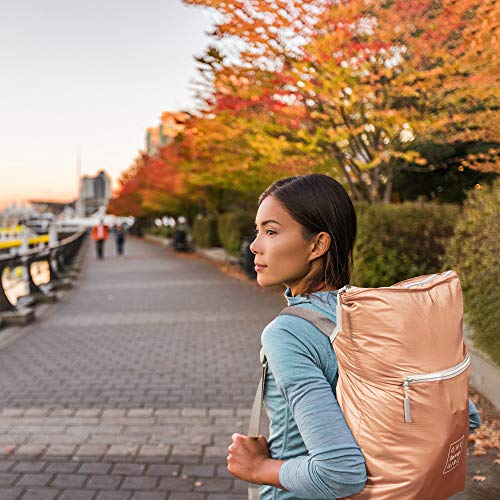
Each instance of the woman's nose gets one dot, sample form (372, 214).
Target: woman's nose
(253, 247)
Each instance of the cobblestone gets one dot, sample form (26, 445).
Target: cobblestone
(34, 480)
(114, 495)
(140, 483)
(104, 482)
(28, 466)
(69, 480)
(149, 495)
(62, 467)
(40, 494)
(7, 479)
(10, 493)
(186, 496)
(121, 391)
(75, 494)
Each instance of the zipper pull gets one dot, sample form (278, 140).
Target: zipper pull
(343, 289)
(406, 385)
(338, 314)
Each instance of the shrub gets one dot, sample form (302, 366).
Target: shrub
(473, 253)
(205, 232)
(396, 242)
(157, 231)
(235, 227)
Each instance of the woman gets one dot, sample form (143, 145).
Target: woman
(306, 228)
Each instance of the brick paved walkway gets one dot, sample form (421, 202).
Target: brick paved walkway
(131, 386)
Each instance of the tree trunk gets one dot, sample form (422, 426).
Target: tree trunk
(388, 192)
(388, 187)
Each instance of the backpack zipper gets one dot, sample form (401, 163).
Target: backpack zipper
(431, 377)
(430, 278)
(346, 288)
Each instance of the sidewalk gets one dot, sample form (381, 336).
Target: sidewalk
(131, 386)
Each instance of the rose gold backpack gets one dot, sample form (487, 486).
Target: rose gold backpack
(403, 383)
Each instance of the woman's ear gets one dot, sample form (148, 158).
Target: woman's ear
(321, 245)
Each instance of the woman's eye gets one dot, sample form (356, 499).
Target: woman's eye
(269, 232)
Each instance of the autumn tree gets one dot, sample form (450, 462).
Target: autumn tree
(357, 89)
(377, 80)
(244, 140)
(128, 199)
(152, 185)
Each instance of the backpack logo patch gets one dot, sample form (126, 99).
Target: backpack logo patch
(454, 455)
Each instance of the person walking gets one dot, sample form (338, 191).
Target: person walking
(119, 239)
(100, 235)
(305, 234)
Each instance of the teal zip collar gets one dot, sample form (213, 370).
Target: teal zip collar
(324, 300)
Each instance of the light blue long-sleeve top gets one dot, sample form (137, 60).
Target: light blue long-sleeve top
(307, 427)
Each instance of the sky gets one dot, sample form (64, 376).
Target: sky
(89, 75)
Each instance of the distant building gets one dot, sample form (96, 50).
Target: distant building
(95, 192)
(152, 140)
(171, 125)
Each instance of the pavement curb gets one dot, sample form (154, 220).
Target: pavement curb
(485, 376)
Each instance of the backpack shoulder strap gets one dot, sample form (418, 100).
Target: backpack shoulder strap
(324, 324)
(258, 404)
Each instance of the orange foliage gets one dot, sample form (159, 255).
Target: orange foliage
(360, 89)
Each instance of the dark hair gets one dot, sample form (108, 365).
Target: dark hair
(320, 203)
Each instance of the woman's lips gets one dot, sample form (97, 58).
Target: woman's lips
(259, 267)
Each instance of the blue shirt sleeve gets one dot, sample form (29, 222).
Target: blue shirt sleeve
(474, 418)
(334, 466)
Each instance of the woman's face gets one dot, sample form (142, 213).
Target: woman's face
(282, 254)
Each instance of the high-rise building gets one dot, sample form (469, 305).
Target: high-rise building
(171, 125)
(95, 192)
(152, 140)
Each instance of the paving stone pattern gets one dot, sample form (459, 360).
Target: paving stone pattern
(131, 386)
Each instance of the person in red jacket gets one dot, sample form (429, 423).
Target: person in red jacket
(100, 235)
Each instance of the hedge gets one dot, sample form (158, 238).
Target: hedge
(205, 232)
(473, 253)
(233, 228)
(162, 231)
(396, 242)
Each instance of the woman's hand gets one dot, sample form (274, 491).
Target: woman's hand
(246, 457)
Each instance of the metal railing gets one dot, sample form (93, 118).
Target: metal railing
(57, 256)
(23, 237)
